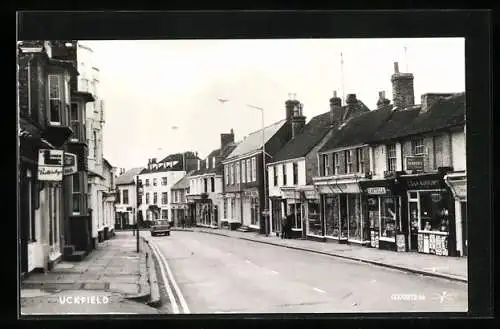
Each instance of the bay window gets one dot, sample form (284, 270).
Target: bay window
(77, 190)
(55, 99)
(254, 170)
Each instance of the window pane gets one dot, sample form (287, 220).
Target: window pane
(54, 87)
(76, 203)
(389, 219)
(373, 212)
(314, 218)
(354, 205)
(55, 110)
(434, 211)
(74, 112)
(332, 216)
(76, 183)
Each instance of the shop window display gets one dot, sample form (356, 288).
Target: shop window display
(314, 218)
(332, 216)
(354, 206)
(434, 213)
(343, 216)
(389, 219)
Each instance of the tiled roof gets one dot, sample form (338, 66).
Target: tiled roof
(312, 134)
(253, 142)
(178, 157)
(183, 183)
(444, 113)
(358, 129)
(128, 177)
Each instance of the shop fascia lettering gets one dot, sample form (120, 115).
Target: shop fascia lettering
(376, 190)
(424, 183)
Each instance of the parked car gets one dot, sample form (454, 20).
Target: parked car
(160, 227)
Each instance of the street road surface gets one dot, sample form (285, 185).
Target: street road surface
(216, 274)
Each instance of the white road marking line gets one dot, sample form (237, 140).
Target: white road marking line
(176, 287)
(175, 307)
(319, 290)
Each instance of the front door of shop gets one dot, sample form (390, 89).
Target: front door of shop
(413, 223)
(463, 206)
(276, 209)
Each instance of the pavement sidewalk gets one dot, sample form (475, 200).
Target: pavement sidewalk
(452, 268)
(112, 279)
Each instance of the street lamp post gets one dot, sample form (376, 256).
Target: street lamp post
(139, 190)
(264, 211)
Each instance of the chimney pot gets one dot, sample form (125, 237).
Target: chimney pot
(334, 93)
(396, 67)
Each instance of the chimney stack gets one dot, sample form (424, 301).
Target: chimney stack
(402, 88)
(290, 105)
(226, 139)
(429, 99)
(298, 120)
(382, 101)
(335, 107)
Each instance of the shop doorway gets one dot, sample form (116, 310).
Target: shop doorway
(463, 206)
(413, 225)
(276, 210)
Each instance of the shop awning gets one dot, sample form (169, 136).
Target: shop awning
(457, 182)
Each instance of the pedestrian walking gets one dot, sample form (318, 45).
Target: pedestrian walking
(283, 228)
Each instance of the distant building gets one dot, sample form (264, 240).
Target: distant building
(178, 202)
(126, 198)
(206, 186)
(157, 180)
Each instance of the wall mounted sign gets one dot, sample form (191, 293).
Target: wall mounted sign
(415, 163)
(50, 165)
(251, 194)
(376, 190)
(70, 164)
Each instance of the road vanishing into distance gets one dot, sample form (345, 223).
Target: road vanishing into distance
(205, 273)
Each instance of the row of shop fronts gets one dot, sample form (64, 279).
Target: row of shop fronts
(243, 207)
(420, 213)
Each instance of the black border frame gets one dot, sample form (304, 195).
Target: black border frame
(474, 25)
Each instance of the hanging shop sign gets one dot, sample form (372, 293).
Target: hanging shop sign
(50, 165)
(425, 182)
(70, 164)
(415, 163)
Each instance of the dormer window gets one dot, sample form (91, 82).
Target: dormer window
(55, 99)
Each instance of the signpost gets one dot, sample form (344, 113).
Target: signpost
(50, 165)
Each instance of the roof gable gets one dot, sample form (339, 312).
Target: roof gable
(311, 135)
(128, 177)
(253, 142)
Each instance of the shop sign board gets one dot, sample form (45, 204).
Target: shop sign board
(70, 164)
(376, 190)
(415, 184)
(312, 194)
(415, 163)
(290, 194)
(50, 165)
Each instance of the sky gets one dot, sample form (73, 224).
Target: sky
(151, 86)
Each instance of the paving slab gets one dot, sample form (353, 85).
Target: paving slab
(126, 288)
